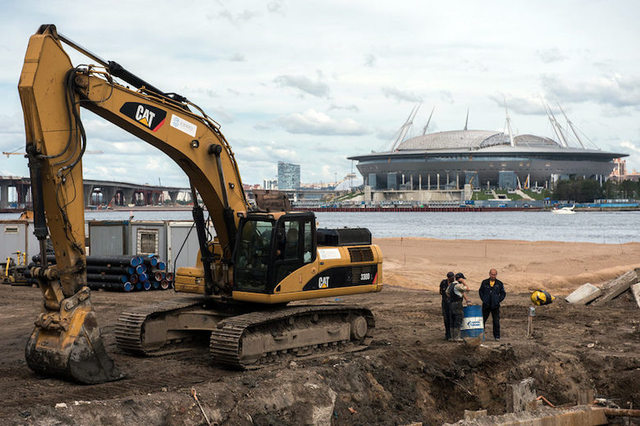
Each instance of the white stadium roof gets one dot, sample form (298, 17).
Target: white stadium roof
(472, 140)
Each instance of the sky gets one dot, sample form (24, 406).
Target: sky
(314, 82)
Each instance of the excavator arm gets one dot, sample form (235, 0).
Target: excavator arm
(66, 340)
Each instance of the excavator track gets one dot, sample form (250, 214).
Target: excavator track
(252, 340)
(130, 328)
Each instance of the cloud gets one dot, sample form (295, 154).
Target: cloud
(551, 55)
(313, 122)
(238, 18)
(304, 84)
(370, 60)
(353, 108)
(630, 145)
(11, 124)
(237, 57)
(446, 96)
(400, 95)
(614, 90)
(520, 105)
(264, 152)
(275, 7)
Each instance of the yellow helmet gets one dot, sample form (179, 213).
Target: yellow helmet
(541, 297)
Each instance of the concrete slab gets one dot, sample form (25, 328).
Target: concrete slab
(581, 415)
(616, 287)
(635, 290)
(520, 395)
(584, 294)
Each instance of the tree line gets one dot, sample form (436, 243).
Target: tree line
(583, 190)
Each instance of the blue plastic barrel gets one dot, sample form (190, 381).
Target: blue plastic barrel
(472, 324)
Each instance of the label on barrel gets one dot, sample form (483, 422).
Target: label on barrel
(471, 323)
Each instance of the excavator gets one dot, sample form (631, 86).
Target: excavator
(240, 289)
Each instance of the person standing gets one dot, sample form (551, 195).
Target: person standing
(446, 312)
(492, 294)
(457, 293)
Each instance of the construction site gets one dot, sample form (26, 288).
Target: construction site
(279, 320)
(578, 363)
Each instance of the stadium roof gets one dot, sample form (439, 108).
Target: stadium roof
(472, 140)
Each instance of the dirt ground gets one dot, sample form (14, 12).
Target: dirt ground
(409, 374)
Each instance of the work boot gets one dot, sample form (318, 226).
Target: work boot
(456, 335)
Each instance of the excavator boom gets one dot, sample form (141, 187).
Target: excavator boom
(66, 340)
(260, 260)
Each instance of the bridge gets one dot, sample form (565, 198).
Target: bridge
(96, 192)
(102, 192)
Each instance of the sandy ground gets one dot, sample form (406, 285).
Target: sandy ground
(409, 373)
(420, 263)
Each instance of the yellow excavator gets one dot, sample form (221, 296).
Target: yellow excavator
(244, 277)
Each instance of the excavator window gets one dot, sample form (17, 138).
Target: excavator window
(253, 255)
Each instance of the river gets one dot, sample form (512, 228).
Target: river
(595, 227)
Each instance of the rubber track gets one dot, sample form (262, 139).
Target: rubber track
(226, 339)
(128, 329)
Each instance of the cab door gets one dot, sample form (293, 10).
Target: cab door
(295, 245)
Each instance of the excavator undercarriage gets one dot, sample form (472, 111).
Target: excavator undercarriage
(244, 336)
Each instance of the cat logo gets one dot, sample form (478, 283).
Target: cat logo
(147, 115)
(323, 282)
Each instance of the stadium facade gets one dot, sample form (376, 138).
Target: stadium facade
(450, 159)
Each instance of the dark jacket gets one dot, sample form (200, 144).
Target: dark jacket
(443, 289)
(492, 296)
(453, 297)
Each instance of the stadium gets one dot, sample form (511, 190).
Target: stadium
(481, 158)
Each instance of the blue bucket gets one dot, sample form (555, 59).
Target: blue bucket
(472, 324)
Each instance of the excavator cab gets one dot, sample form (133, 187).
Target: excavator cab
(270, 248)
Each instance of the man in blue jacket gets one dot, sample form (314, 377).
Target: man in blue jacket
(492, 294)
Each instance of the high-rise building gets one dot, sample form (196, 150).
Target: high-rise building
(288, 175)
(270, 184)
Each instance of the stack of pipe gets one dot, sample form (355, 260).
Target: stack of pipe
(124, 273)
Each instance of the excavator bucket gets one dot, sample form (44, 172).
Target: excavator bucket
(67, 344)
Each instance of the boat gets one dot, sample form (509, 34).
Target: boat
(564, 210)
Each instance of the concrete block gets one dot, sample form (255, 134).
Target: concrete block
(635, 290)
(472, 415)
(520, 395)
(584, 294)
(616, 287)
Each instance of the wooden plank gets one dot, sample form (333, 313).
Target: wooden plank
(616, 287)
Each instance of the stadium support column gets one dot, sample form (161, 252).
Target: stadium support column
(457, 181)
(419, 182)
(438, 181)
(429, 182)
